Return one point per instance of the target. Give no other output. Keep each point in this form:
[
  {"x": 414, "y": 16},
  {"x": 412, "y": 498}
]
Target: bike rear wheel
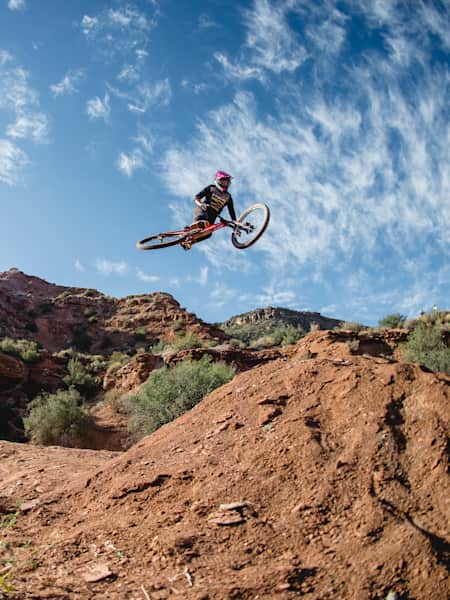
[
  {"x": 162, "y": 240},
  {"x": 253, "y": 221}
]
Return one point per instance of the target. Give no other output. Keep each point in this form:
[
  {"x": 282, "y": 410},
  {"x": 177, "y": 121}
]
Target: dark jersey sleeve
[
  {"x": 205, "y": 193},
  {"x": 231, "y": 209}
]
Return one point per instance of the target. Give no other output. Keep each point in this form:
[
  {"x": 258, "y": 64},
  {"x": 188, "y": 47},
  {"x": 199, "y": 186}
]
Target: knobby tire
[
  {"x": 162, "y": 240},
  {"x": 263, "y": 216}
]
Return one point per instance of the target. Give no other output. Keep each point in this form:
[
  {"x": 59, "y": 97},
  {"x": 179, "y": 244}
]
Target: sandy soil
[{"x": 321, "y": 474}]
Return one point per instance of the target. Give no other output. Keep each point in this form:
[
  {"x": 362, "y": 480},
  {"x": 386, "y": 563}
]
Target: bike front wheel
[
  {"x": 252, "y": 224},
  {"x": 162, "y": 240}
]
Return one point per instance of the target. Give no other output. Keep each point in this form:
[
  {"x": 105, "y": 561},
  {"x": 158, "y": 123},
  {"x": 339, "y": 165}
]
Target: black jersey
[{"x": 216, "y": 200}]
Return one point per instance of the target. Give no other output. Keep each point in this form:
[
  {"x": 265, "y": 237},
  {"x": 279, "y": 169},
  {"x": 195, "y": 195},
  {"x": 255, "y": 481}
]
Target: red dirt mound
[{"x": 321, "y": 477}]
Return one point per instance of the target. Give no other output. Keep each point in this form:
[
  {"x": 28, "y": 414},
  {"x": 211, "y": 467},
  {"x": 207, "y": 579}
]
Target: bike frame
[{"x": 212, "y": 228}]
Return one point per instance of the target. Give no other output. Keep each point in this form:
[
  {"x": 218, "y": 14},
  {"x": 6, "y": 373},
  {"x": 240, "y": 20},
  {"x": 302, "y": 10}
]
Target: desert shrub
[
  {"x": 115, "y": 400},
  {"x": 158, "y": 347},
  {"x": 81, "y": 378},
  {"x": 88, "y": 312},
  {"x": 27, "y": 350},
  {"x": 291, "y": 335},
  {"x": 353, "y": 345},
  {"x": 117, "y": 360},
  {"x": 393, "y": 321},
  {"x": 46, "y": 306},
  {"x": 264, "y": 334},
  {"x": 178, "y": 325},
  {"x": 280, "y": 336},
  {"x": 57, "y": 419},
  {"x": 140, "y": 334},
  {"x": 171, "y": 391},
  {"x": 106, "y": 342},
  {"x": 353, "y": 326},
  {"x": 81, "y": 339},
  {"x": 185, "y": 342},
  {"x": 31, "y": 326},
  {"x": 427, "y": 347}
]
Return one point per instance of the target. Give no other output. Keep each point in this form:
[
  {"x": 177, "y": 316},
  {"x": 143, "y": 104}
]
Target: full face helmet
[{"x": 222, "y": 180}]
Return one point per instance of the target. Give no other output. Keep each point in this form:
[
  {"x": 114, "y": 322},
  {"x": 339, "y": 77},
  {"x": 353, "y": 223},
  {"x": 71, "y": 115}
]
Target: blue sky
[{"x": 113, "y": 114}]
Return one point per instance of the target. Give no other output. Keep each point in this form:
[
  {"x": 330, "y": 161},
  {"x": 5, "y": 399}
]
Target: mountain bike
[{"x": 245, "y": 231}]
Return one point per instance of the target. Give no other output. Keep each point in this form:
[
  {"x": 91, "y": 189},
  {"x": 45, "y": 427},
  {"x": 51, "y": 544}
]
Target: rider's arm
[
  {"x": 231, "y": 209},
  {"x": 203, "y": 194}
]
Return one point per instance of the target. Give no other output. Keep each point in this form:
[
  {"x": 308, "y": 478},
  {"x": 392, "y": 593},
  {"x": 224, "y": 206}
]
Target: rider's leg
[{"x": 201, "y": 221}]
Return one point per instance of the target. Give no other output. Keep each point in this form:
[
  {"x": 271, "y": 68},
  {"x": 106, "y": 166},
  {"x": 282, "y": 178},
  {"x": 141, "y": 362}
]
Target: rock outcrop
[
  {"x": 61, "y": 317},
  {"x": 284, "y": 316}
]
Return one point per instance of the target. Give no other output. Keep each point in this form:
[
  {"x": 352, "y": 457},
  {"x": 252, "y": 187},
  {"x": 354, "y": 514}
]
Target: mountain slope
[
  {"x": 321, "y": 474},
  {"x": 60, "y": 317}
]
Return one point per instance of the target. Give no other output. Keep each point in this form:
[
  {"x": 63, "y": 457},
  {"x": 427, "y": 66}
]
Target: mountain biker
[{"x": 211, "y": 201}]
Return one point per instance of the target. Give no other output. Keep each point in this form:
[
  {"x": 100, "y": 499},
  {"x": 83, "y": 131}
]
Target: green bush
[
  {"x": 393, "y": 321},
  {"x": 171, "y": 391},
  {"x": 427, "y": 347},
  {"x": 353, "y": 326},
  {"x": 140, "y": 334},
  {"x": 185, "y": 342},
  {"x": 81, "y": 378},
  {"x": 106, "y": 342},
  {"x": 115, "y": 400},
  {"x": 178, "y": 325},
  {"x": 46, "y": 306},
  {"x": 57, "y": 419},
  {"x": 31, "y": 326},
  {"x": 283, "y": 335},
  {"x": 27, "y": 350},
  {"x": 264, "y": 334},
  {"x": 81, "y": 339}
]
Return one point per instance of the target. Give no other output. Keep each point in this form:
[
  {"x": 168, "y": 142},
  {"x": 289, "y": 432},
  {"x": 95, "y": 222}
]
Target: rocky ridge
[
  {"x": 60, "y": 317},
  {"x": 284, "y": 316}
]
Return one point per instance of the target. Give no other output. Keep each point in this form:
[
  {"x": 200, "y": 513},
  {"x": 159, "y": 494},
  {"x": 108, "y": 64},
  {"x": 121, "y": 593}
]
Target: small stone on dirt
[{"x": 96, "y": 572}]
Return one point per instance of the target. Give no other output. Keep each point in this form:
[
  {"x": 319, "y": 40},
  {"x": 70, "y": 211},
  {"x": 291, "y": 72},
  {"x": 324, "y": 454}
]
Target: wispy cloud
[
  {"x": 197, "y": 88},
  {"x": 33, "y": 126},
  {"x": 16, "y": 4},
  {"x": 5, "y": 57},
  {"x": 12, "y": 160},
  {"x": 68, "y": 84},
  {"x": 201, "y": 279},
  {"x": 206, "y": 22},
  {"x": 147, "y": 278},
  {"x": 108, "y": 267},
  {"x": 271, "y": 47},
  {"x": 148, "y": 95},
  {"x": 352, "y": 174},
  {"x": 19, "y": 99},
  {"x": 25, "y": 121},
  {"x": 97, "y": 108},
  {"x": 119, "y": 31},
  {"x": 144, "y": 95},
  {"x": 272, "y": 296},
  {"x": 135, "y": 159},
  {"x": 79, "y": 266},
  {"x": 131, "y": 73}
]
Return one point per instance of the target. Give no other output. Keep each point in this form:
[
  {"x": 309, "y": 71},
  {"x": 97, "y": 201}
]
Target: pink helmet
[{"x": 222, "y": 180}]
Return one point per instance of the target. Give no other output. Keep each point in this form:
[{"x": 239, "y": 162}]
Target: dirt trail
[{"x": 322, "y": 477}]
